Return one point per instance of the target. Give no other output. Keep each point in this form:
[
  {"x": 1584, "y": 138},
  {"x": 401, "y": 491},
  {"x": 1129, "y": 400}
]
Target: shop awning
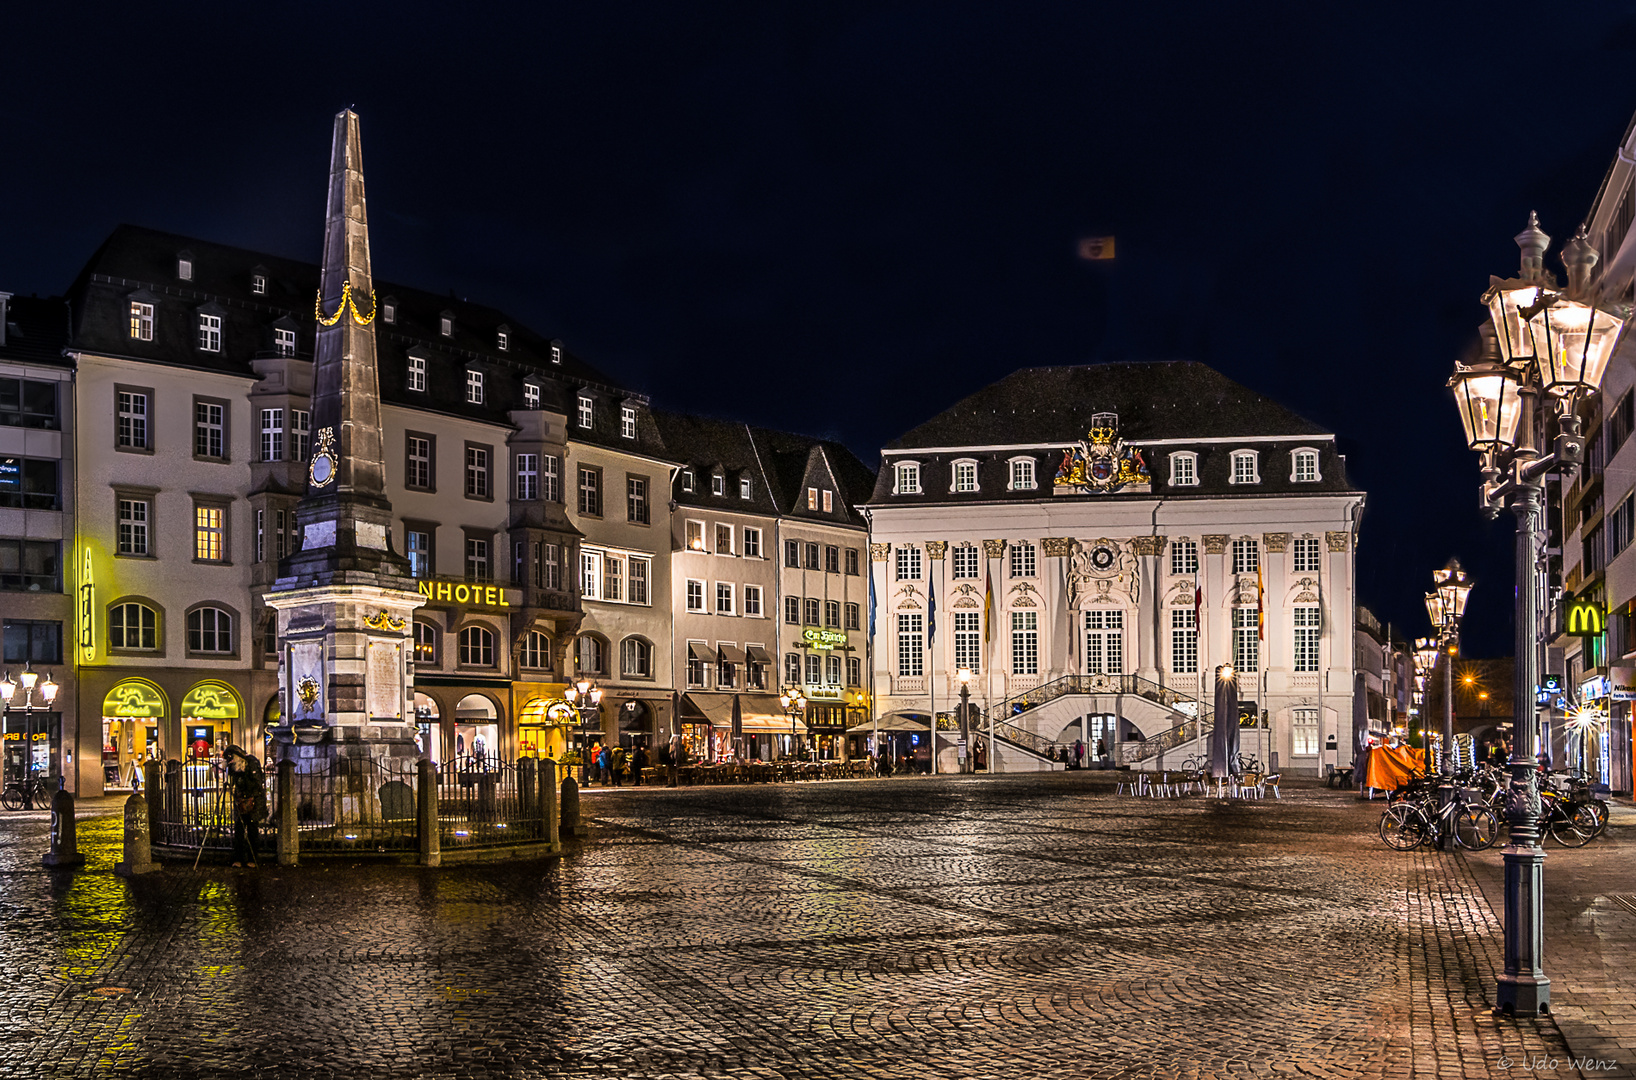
[
  {"x": 758, "y": 654},
  {"x": 698, "y": 650},
  {"x": 730, "y": 654},
  {"x": 762, "y": 712},
  {"x": 892, "y": 722}
]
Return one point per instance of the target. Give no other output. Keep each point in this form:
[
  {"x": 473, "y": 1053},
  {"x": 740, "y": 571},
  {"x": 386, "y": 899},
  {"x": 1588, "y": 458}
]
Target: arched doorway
[
  {"x": 426, "y": 718},
  {"x": 131, "y": 717},
  {"x": 209, "y": 713},
  {"x": 476, "y": 733},
  {"x": 635, "y": 724}
]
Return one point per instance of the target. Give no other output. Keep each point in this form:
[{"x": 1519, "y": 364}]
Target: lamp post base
[{"x": 1524, "y": 989}]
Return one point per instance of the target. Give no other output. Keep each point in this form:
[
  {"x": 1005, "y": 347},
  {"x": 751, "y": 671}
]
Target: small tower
[{"x": 345, "y": 599}]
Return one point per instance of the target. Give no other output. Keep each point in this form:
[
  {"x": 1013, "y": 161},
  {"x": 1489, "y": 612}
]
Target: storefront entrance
[
  {"x": 210, "y": 711},
  {"x": 32, "y": 735},
  {"x": 132, "y": 715},
  {"x": 476, "y": 733}
]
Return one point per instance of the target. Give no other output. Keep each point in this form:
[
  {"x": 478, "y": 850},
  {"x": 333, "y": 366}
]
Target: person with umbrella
[{"x": 247, "y": 787}]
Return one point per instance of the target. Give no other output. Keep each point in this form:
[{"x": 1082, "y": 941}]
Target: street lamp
[
  {"x": 1544, "y": 350},
  {"x": 48, "y": 691},
  {"x": 794, "y": 705},
  {"x": 585, "y": 697},
  {"x": 1446, "y": 605},
  {"x": 966, "y": 763}
]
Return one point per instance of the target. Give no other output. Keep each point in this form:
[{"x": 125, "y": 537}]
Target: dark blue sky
[{"x": 841, "y": 218}]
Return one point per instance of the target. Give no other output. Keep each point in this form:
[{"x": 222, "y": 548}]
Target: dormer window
[
  {"x": 417, "y": 374},
  {"x": 389, "y": 311},
  {"x": 210, "y": 333},
  {"x": 906, "y": 475},
  {"x": 258, "y": 284},
  {"x": 1245, "y": 469},
  {"x": 502, "y": 339},
  {"x": 965, "y": 476},
  {"x": 283, "y": 341},
  {"x": 1184, "y": 469},
  {"x": 746, "y": 488},
  {"x": 718, "y": 484},
  {"x": 829, "y": 501},
  {"x": 627, "y": 421},
  {"x": 445, "y": 324},
  {"x": 586, "y": 412},
  {"x": 556, "y": 352},
  {"x": 184, "y": 266},
  {"x": 531, "y": 395},
  {"x": 687, "y": 480},
  {"x": 1304, "y": 467},
  {"x": 474, "y": 387},
  {"x": 1022, "y": 474},
  {"x": 812, "y": 498}
]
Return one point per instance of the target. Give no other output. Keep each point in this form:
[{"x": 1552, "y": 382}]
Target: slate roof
[
  {"x": 704, "y": 445},
  {"x": 1192, "y": 408},
  {"x": 1178, "y": 399},
  {"x": 789, "y": 459},
  {"x": 136, "y": 262},
  {"x": 36, "y": 330}
]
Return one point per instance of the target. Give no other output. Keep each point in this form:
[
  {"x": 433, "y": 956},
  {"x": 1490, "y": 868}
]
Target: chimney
[{"x": 5, "y": 297}]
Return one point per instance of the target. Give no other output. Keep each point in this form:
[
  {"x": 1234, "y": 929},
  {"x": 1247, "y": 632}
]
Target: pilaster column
[
  {"x": 1150, "y": 606},
  {"x": 1056, "y": 617},
  {"x": 1215, "y": 618}
]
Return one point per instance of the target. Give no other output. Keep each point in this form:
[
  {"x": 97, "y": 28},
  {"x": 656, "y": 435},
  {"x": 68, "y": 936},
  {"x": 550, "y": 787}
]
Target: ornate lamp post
[
  {"x": 585, "y": 697},
  {"x": 794, "y": 705},
  {"x": 48, "y": 692},
  {"x": 1425, "y": 660},
  {"x": 1545, "y": 349},
  {"x": 1446, "y": 604},
  {"x": 966, "y": 763}
]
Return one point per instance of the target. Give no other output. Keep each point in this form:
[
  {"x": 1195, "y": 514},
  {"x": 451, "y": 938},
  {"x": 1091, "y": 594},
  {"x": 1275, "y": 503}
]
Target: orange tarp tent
[{"x": 1390, "y": 769}]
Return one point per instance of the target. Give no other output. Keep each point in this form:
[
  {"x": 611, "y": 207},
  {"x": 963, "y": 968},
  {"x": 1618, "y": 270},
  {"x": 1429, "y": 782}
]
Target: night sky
[{"x": 840, "y": 218}]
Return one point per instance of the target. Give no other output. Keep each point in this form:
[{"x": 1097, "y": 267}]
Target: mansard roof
[
  {"x": 141, "y": 262},
  {"x": 1177, "y": 399},
  {"x": 36, "y": 330}
]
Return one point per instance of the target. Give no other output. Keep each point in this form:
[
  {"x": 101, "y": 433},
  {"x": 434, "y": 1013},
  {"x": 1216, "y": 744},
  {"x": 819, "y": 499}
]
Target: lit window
[
  {"x": 695, "y": 536},
  {"x": 1306, "y": 467},
  {"x": 829, "y": 501},
  {"x": 627, "y": 422},
  {"x": 474, "y": 387},
  {"x": 283, "y": 341},
  {"x": 141, "y": 321},
  {"x": 812, "y": 498},
  {"x": 745, "y": 487},
  {"x": 445, "y": 326},
  {"x": 908, "y": 478},
  {"x": 209, "y": 527},
  {"x": 1184, "y": 469},
  {"x": 210, "y": 333},
  {"x": 1244, "y": 467},
  {"x": 417, "y": 373},
  {"x": 586, "y": 414},
  {"x": 425, "y": 643}
]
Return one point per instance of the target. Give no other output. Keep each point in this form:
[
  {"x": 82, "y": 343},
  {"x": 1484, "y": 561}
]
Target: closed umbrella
[
  {"x": 1224, "y": 736},
  {"x": 738, "y": 729},
  {"x": 1360, "y": 731}
]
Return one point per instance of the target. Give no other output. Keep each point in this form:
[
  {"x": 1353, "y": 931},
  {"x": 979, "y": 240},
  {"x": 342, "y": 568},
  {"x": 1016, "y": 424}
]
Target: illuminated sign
[
  {"x": 11, "y": 472},
  {"x": 210, "y": 701},
  {"x": 458, "y": 592},
  {"x": 814, "y": 690},
  {"x": 131, "y": 698},
  {"x": 1593, "y": 688},
  {"x": 88, "y": 642},
  {"x": 1622, "y": 681},
  {"x": 823, "y": 639},
  {"x": 17, "y": 736},
  {"x": 1585, "y": 617}
]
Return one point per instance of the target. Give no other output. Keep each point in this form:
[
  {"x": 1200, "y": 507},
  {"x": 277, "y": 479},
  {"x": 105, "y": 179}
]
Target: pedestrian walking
[
  {"x": 1079, "y": 753},
  {"x": 619, "y": 758},
  {"x": 639, "y": 761},
  {"x": 247, "y": 787},
  {"x": 1102, "y": 752}
]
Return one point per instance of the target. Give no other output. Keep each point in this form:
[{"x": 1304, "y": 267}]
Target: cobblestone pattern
[{"x": 1010, "y": 927}]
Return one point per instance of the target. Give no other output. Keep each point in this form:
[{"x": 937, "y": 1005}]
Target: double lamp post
[
  {"x": 48, "y": 693},
  {"x": 1446, "y": 605},
  {"x": 1544, "y": 351}
]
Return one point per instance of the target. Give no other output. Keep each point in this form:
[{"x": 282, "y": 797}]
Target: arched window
[
  {"x": 1304, "y": 467},
  {"x": 536, "y": 651},
  {"x": 907, "y": 476},
  {"x": 1184, "y": 469},
  {"x": 209, "y": 630},
  {"x": 425, "y": 643},
  {"x": 636, "y": 658},
  {"x": 477, "y": 646},
  {"x": 132, "y": 626},
  {"x": 593, "y": 655},
  {"x": 1245, "y": 468}
]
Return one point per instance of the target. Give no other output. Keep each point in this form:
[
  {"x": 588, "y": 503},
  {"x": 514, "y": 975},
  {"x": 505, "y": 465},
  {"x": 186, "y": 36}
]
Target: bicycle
[
  {"x": 31, "y": 795},
  {"x": 1567, "y": 821},
  {"x": 1412, "y": 820}
]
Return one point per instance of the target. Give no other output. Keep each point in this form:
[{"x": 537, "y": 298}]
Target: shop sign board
[
  {"x": 1585, "y": 617},
  {"x": 460, "y": 592},
  {"x": 825, "y": 690},
  {"x": 1622, "y": 682},
  {"x": 1593, "y": 688},
  {"x": 816, "y": 638},
  {"x": 134, "y": 699},
  {"x": 210, "y": 701}
]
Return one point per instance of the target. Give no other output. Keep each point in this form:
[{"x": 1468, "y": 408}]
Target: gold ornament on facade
[
  {"x": 1149, "y": 545},
  {"x": 936, "y": 548},
  {"x": 993, "y": 548},
  {"x": 307, "y": 691},
  {"x": 1277, "y": 543},
  {"x": 384, "y": 621},
  {"x": 1057, "y": 547},
  {"x": 1215, "y": 545},
  {"x": 879, "y": 552},
  {"x": 340, "y": 309},
  {"x": 1337, "y": 540}
]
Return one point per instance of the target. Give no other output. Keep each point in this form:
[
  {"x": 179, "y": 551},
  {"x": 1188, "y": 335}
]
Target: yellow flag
[{"x": 1096, "y": 247}]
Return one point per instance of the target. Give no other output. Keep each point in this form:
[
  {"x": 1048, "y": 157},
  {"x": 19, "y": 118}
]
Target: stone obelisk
[{"x": 345, "y": 600}]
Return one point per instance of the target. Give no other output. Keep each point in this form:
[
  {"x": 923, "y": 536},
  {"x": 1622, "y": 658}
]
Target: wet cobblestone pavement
[{"x": 1027, "y": 926}]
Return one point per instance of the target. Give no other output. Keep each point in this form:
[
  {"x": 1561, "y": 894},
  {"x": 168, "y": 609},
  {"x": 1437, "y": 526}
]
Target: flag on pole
[
  {"x": 1198, "y": 598},
  {"x": 988, "y": 603},
  {"x": 871, "y": 603},
  {"x": 1096, "y": 247},
  {"x": 931, "y": 610},
  {"x": 1260, "y": 614}
]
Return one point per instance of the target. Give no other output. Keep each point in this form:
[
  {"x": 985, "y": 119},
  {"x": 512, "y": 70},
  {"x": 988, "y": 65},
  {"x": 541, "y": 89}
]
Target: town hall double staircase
[{"x": 1026, "y": 726}]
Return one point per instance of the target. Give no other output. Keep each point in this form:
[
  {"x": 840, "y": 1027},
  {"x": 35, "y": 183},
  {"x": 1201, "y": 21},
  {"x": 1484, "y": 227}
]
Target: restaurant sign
[{"x": 823, "y": 639}]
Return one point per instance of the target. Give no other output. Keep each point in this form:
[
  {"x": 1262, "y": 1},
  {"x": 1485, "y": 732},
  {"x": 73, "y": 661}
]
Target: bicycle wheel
[
  {"x": 1599, "y": 810},
  {"x": 1575, "y": 827},
  {"x": 1476, "y": 828},
  {"x": 1402, "y": 827},
  {"x": 12, "y": 797}
]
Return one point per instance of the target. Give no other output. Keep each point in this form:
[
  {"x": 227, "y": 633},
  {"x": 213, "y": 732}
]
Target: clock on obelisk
[{"x": 345, "y": 600}]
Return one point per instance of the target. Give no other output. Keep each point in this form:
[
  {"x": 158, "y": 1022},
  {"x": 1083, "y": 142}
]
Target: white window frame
[
  {"x": 1025, "y": 643},
  {"x": 1304, "y": 455},
  {"x": 718, "y": 484},
  {"x": 531, "y": 395},
  {"x": 964, "y": 562},
  {"x": 752, "y": 602},
  {"x": 906, "y": 478},
  {"x": 693, "y": 535},
  {"x": 1246, "y": 467},
  {"x": 1022, "y": 474},
  {"x": 272, "y": 435},
  {"x": 968, "y": 641},
  {"x": 132, "y": 427},
  {"x": 1306, "y": 555},
  {"x": 746, "y": 487},
  {"x": 1184, "y": 641},
  {"x": 1184, "y": 469},
  {"x": 726, "y": 598},
  {"x": 627, "y": 421},
  {"x": 587, "y": 412},
  {"x": 474, "y": 386},
  {"x": 720, "y": 532},
  {"x": 1104, "y": 641},
  {"x": 911, "y": 659},
  {"x": 1308, "y": 626},
  {"x": 1184, "y": 557},
  {"x": 284, "y": 341},
  {"x": 1023, "y": 561},
  {"x": 141, "y": 321},
  {"x": 258, "y": 284},
  {"x": 908, "y": 563},
  {"x": 963, "y": 476},
  {"x": 210, "y": 333},
  {"x": 502, "y": 340},
  {"x": 829, "y": 501},
  {"x": 1304, "y": 731},
  {"x": 528, "y": 477},
  {"x": 752, "y": 542},
  {"x": 300, "y": 434},
  {"x": 1246, "y": 555},
  {"x": 417, "y": 374},
  {"x": 694, "y": 595},
  {"x": 445, "y": 326},
  {"x": 1246, "y": 638}
]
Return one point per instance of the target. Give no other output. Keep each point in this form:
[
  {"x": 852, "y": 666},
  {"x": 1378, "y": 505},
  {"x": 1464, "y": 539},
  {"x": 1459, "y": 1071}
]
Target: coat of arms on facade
[{"x": 1102, "y": 462}]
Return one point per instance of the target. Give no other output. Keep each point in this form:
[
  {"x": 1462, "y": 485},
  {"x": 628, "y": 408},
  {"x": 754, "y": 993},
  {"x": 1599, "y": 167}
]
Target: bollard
[
  {"x": 65, "y": 847},
  {"x": 528, "y": 774},
  {"x": 548, "y": 803},
  {"x": 138, "y": 843},
  {"x": 571, "y": 823},
  {"x": 289, "y": 840},
  {"x": 431, "y": 853},
  {"x": 153, "y": 787}
]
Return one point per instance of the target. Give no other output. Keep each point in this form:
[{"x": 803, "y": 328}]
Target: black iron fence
[{"x": 363, "y": 806}]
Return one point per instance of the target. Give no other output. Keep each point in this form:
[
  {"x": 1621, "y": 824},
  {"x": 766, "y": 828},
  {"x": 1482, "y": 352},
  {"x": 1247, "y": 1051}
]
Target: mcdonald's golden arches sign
[{"x": 1585, "y": 617}]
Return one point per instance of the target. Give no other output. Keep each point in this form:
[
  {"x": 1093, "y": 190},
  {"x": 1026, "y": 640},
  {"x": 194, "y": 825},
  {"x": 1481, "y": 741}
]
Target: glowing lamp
[
  {"x": 964, "y": 675},
  {"x": 1486, "y": 394},
  {"x": 48, "y": 690},
  {"x": 1574, "y": 342},
  {"x": 30, "y": 678},
  {"x": 7, "y": 687},
  {"x": 1453, "y": 588}
]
